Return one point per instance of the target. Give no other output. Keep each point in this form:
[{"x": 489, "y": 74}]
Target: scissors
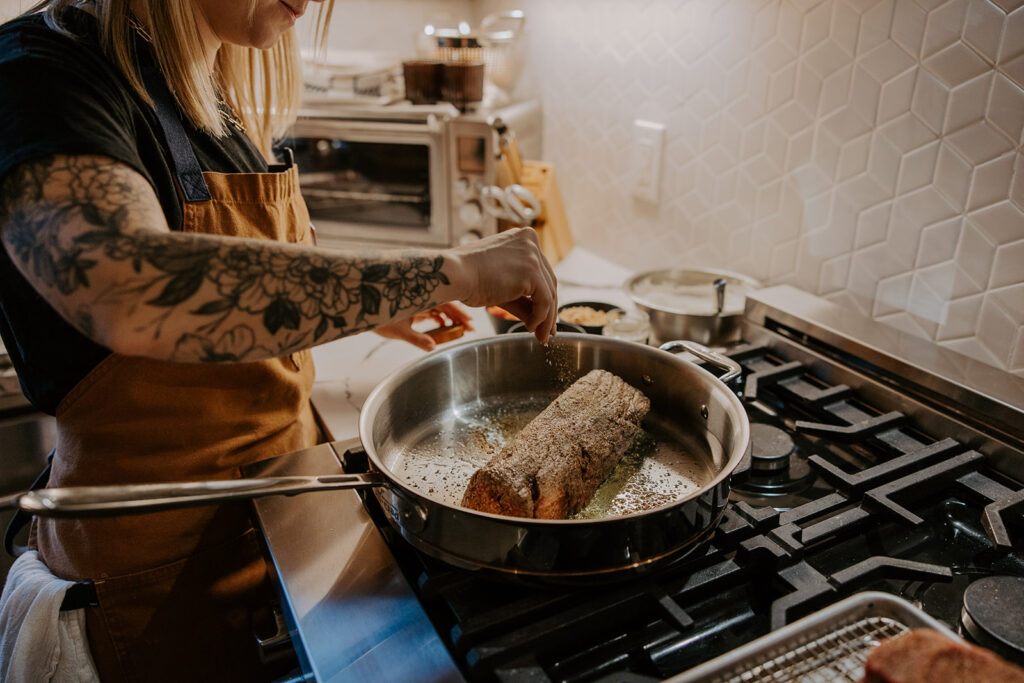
[{"x": 514, "y": 203}]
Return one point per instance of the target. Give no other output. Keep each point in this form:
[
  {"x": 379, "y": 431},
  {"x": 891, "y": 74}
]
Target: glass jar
[{"x": 629, "y": 324}]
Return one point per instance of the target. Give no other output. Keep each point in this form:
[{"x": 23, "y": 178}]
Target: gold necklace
[{"x": 227, "y": 113}]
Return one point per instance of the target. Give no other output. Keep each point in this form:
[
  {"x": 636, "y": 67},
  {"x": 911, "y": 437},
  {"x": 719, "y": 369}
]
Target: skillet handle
[
  {"x": 96, "y": 501},
  {"x": 10, "y": 502},
  {"x": 731, "y": 367}
]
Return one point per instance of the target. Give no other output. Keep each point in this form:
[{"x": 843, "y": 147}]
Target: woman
[{"x": 159, "y": 293}]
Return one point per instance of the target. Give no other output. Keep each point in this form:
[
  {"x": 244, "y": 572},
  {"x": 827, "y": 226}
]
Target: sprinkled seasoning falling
[{"x": 559, "y": 357}]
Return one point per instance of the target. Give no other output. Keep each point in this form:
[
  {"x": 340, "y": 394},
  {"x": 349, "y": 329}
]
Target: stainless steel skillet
[{"x": 418, "y": 428}]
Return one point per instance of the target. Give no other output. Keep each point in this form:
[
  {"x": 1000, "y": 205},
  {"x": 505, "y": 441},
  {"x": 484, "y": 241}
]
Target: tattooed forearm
[
  {"x": 88, "y": 233},
  {"x": 291, "y": 298}
]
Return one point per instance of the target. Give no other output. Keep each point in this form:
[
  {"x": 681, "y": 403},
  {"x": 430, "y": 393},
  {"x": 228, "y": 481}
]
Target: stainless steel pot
[
  {"x": 413, "y": 410},
  {"x": 701, "y": 305}
]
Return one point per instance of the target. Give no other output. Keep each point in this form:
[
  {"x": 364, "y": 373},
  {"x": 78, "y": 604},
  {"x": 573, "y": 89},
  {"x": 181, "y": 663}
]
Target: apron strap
[
  {"x": 287, "y": 157},
  {"x": 21, "y": 519},
  {"x": 186, "y": 166}
]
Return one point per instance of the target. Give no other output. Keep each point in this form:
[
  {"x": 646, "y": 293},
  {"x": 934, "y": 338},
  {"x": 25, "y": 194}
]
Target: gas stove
[{"x": 878, "y": 462}]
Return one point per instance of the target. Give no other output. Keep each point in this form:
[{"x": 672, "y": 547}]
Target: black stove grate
[{"x": 867, "y": 503}]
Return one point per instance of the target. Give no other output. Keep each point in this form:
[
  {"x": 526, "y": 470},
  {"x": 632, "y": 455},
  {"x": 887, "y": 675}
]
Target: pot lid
[{"x": 690, "y": 291}]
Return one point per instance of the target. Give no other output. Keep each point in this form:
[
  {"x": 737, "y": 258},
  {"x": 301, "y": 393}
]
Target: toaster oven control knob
[{"x": 471, "y": 214}]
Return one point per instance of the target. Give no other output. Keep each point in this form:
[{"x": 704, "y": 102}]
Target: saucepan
[
  {"x": 429, "y": 425},
  {"x": 701, "y": 305}
]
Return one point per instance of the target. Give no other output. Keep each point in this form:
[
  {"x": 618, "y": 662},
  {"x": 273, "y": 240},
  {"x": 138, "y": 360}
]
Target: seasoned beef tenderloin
[{"x": 551, "y": 469}]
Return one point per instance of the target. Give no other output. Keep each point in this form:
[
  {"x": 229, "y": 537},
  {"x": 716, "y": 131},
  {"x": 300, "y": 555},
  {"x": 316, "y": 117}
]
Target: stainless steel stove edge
[
  {"x": 985, "y": 398},
  {"x": 355, "y": 616}
]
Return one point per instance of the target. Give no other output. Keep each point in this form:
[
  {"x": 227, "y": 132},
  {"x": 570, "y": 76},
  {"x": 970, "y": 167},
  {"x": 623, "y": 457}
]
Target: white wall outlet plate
[{"x": 648, "y": 141}]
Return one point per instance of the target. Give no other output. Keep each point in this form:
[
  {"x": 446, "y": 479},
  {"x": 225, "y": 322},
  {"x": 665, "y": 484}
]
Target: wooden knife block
[{"x": 552, "y": 225}]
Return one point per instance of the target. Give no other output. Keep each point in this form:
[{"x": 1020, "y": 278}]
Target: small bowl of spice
[
  {"x": 501, "y": 319},
  {"x": 590, "y": 315}
]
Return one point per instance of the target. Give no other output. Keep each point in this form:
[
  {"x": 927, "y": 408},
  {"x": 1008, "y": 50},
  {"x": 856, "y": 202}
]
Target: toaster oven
[{"x": 403, "y": 175}]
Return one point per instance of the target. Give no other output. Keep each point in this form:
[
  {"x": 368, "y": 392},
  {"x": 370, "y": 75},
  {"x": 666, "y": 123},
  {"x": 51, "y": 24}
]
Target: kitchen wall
[
  {"x": 389, "y": 26},
  {"x": 11, "y": 8},
  {"x": 867, "y": 151}
]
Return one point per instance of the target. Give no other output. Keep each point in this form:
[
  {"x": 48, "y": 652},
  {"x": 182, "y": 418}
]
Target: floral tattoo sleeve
[{"x": 79, "y": 229}]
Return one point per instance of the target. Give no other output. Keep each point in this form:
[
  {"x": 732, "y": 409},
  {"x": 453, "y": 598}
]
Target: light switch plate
[{"x": 648, "y": 140}]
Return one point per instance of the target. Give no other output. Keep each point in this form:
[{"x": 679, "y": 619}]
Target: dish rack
[
  {"x": 829, "y": 645},
  {"x": 352, "y": 77}
]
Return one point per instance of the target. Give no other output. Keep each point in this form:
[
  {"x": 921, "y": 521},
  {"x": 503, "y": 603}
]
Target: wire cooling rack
[
  {"x": 836, "y": 656},
  {"x": 829, "y": 645}
]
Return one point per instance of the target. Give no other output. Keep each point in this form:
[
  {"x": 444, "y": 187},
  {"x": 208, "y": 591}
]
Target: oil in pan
[{"x": 656, "y": 469}]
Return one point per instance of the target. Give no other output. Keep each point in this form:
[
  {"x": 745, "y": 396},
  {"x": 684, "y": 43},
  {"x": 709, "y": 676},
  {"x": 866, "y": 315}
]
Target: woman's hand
[
  {"x": 444, "y": 315},
  {"x": 509, "y": 270}
]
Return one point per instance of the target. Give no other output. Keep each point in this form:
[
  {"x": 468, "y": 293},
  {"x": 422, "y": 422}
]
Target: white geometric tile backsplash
[{"x": 868, "y": 151}]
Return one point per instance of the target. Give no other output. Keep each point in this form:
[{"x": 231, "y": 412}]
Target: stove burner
[
  {"x": 993, "y": 615},
  {"x": 772, "y": 470},
  {"x": 770, "y": 448}
]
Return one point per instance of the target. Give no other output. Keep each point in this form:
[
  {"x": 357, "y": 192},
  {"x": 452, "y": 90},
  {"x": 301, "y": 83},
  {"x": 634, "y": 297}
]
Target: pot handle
[
  {"x": 96, "y": 501},
  {"x": 731, "y": 367}
]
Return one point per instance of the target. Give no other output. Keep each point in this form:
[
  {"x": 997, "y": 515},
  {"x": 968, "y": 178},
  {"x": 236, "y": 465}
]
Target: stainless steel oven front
[{"x": 398, "y": 175}]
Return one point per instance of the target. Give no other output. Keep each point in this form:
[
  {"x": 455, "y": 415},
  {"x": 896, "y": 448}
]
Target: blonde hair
[{"x": 262, "y": 87}]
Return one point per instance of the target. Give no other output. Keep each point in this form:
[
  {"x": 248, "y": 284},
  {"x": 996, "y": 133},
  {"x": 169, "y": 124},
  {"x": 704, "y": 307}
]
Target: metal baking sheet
[{"x": 829, "y": 645}]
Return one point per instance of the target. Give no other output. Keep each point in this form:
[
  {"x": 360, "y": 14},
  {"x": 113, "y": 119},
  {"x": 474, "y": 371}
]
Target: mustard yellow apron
[{"x": 181, "y": 593}]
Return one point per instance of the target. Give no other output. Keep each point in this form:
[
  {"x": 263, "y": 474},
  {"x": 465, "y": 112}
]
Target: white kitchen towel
[{"x": 38, "y": 642}]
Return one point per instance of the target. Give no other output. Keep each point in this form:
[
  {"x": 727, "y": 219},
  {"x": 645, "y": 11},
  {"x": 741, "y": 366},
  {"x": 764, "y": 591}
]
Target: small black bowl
[
  {"x": 596, "y": 305},
  {"x": 559, "y": 327}
]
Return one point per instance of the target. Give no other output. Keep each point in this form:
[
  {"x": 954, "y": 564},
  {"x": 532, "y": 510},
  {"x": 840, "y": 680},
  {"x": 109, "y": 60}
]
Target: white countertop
[{"x": 348, "y": 369}]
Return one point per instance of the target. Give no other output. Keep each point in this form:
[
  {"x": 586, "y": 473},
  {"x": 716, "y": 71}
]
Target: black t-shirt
[{"x": 61, "y": 95}]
